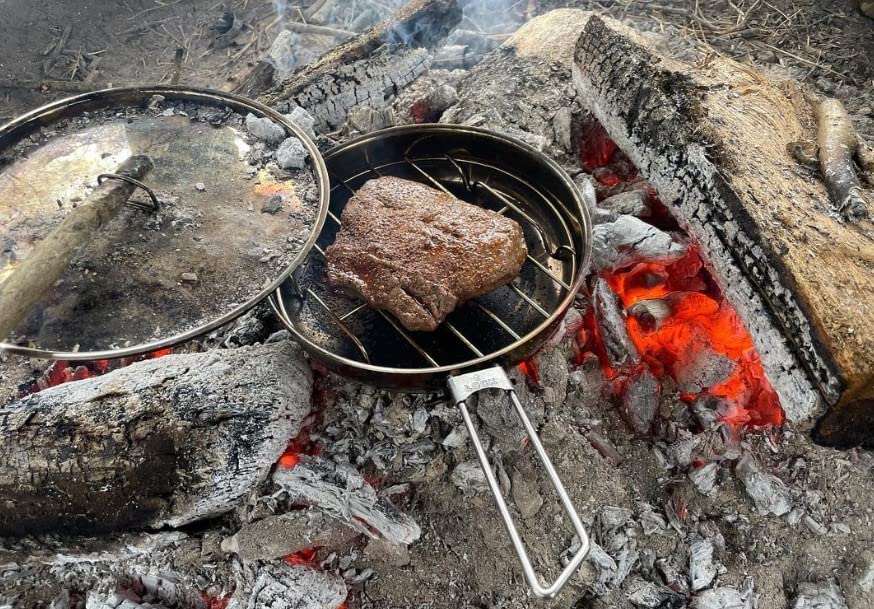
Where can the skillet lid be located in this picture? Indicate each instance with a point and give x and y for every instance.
(241, 193)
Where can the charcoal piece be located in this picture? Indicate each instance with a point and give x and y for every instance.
(640, 401)
(302, 119)
(704, 478)
(633, 203)
(340, 491)
(291, 154)
(264, 129)
(611, 323)
(704, 370)
(768, 492)
(702, 569)
(825, 595)
(284, 534)
(279, 585)
(646, 594)
(418, 252)
(627, 241)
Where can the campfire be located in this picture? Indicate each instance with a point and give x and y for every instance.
(668, 406)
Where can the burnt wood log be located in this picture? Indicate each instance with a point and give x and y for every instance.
(166, 441)
(366, 69)
(713, 141)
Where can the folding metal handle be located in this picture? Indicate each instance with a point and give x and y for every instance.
(462, 387)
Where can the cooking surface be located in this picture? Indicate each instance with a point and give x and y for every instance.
(229, 224)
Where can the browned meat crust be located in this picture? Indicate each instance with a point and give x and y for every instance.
(418, 252)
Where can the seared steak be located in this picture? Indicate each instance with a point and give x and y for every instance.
(418, 252)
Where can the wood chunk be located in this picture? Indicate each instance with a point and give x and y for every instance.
(769, 494)
(712, 140)
(165, 441)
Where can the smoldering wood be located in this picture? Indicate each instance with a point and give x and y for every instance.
(369, 67)
(339, 490)
(50, 258)
(166, 441)
(294, 587)
(712, 140)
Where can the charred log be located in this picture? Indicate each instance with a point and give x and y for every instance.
(164, 441)
(697, 135)
(369, 68)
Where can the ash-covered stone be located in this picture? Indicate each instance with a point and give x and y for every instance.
(824, 595)
(704, 478)
(632, 203)
(769, 494)
(339, 490)
(702, 569)
(264, 129)
(384, 551)
(608, 312)
(284, 534)
(291, 154)
(628, 240)
(273, 205)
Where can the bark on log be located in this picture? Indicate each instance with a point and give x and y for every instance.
(358, 73)
(162, 442)
(713, 141)
(37, 273)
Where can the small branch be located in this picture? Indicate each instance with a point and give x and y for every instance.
(321, 30)
(838, 145)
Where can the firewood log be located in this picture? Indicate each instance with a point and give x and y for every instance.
(713, 141)
(51, 257)
(165, 441)
(364, 69)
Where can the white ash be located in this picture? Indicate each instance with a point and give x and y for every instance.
(264, 129)
(702, 569)
(605, 568)
(632, 202)
(292, 587)
(720, 598)
(341, 491)
(824, 595)
(704, 478)
(469, 477)
(628, 240)
(291, 154)
(768, 492)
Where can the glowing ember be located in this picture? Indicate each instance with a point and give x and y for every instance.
(63, 371)
(308, 557)
(216, 602)
(675, 313)
(531, 372)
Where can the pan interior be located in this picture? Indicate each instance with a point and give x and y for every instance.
(477, 167)
(229, 226)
